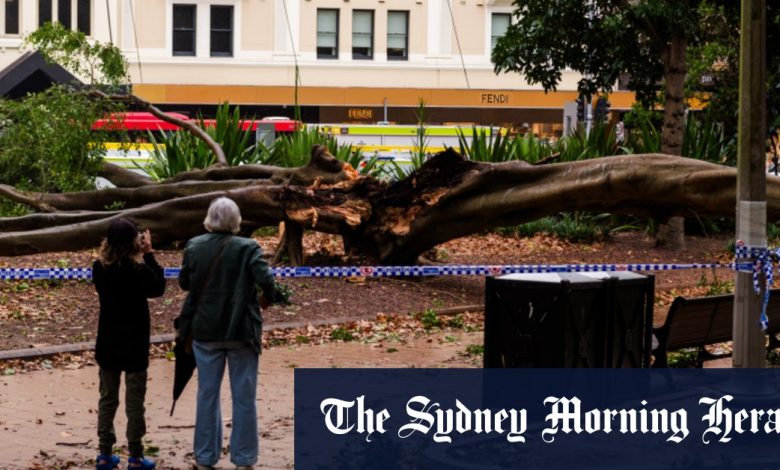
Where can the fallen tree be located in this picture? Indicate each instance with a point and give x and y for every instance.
(447, 198)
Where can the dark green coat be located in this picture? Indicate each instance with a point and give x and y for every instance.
(228, 309)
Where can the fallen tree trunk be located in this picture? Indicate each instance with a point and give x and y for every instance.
(447, 198)
(122, 177)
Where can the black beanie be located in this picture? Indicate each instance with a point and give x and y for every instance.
(122, 232)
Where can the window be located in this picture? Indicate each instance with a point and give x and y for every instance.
(327, 34)
(183, 29)
(63, 12)
(221, 30)
(84, 16)
(44, 12)
(397, 35)
(499, 24)
(11, 16)
(363, 34)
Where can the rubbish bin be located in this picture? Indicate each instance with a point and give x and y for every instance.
(568, 320)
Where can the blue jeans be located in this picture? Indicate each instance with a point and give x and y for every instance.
(242, 365)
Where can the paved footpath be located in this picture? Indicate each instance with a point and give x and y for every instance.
(49, 417)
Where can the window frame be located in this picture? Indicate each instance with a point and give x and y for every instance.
(370, 55)
(230, 31)
(50, 18)
(193, 30)
(405, 57)
(493, 14)
(80, 25)
(335, 54)
(17, 26)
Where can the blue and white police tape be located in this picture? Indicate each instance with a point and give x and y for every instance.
(14, 274)
(762, 263)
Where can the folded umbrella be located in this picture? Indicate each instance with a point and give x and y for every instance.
(184, 367)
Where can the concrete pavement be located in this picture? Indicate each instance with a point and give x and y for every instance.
(48, 418)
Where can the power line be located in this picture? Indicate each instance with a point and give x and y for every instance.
(457, 40)
(295, 61)
(108, 14)
(135, 35)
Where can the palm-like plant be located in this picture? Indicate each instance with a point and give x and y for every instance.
(490, 148)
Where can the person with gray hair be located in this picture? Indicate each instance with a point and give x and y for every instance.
(222, 314)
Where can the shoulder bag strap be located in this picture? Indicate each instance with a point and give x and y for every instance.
(209, 273)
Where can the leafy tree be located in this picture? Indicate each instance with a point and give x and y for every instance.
(46, 141)
(101, 64)
(716, 57)
(603, 39)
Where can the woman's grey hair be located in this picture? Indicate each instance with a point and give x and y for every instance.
(223, 216)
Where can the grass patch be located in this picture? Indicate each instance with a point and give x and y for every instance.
(342, 334)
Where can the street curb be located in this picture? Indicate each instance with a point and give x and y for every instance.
(32, 353)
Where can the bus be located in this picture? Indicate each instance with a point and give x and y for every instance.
(398, 143)
(128, 146)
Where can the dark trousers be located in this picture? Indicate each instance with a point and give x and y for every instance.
(135, 393)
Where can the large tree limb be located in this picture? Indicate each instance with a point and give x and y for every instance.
(322, 168)
(448, 197)
(122, 177)
(125, 198)
(47, 220)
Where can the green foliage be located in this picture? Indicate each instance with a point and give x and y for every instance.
(294, 150)
(532, 149)
(342, 334)
(493, 148)
(577, 227)
(643, 139)
(716, 286)
(235, 142)
(99, 63)
(581, 145)
(705, 139)
(600, 40)
(176, 152)
(47, 143)
(430, 319)
(684, 358)
(716, 56)
(475, 349)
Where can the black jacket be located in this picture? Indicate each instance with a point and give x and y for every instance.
(123, 326)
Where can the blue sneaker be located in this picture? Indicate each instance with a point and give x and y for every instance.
(106, 462)
(140, 462)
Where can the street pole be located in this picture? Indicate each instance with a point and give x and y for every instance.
(588, 115)
(749, 339)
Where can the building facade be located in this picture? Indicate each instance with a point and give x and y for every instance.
(353, 60)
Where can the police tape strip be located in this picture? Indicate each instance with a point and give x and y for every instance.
(14, 274)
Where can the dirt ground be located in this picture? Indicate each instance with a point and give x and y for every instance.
(41, 313)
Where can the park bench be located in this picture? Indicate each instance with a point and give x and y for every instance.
(701, 321)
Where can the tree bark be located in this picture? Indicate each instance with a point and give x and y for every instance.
(671, 232)
(447, 198)
(123, 178)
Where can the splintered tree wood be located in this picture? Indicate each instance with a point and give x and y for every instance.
(449, 197)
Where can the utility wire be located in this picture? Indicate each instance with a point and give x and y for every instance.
(295, 60)
(457, 40)
(135, 35)
(108, 14)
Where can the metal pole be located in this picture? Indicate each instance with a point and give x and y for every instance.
(588, 115)
(749, 339)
